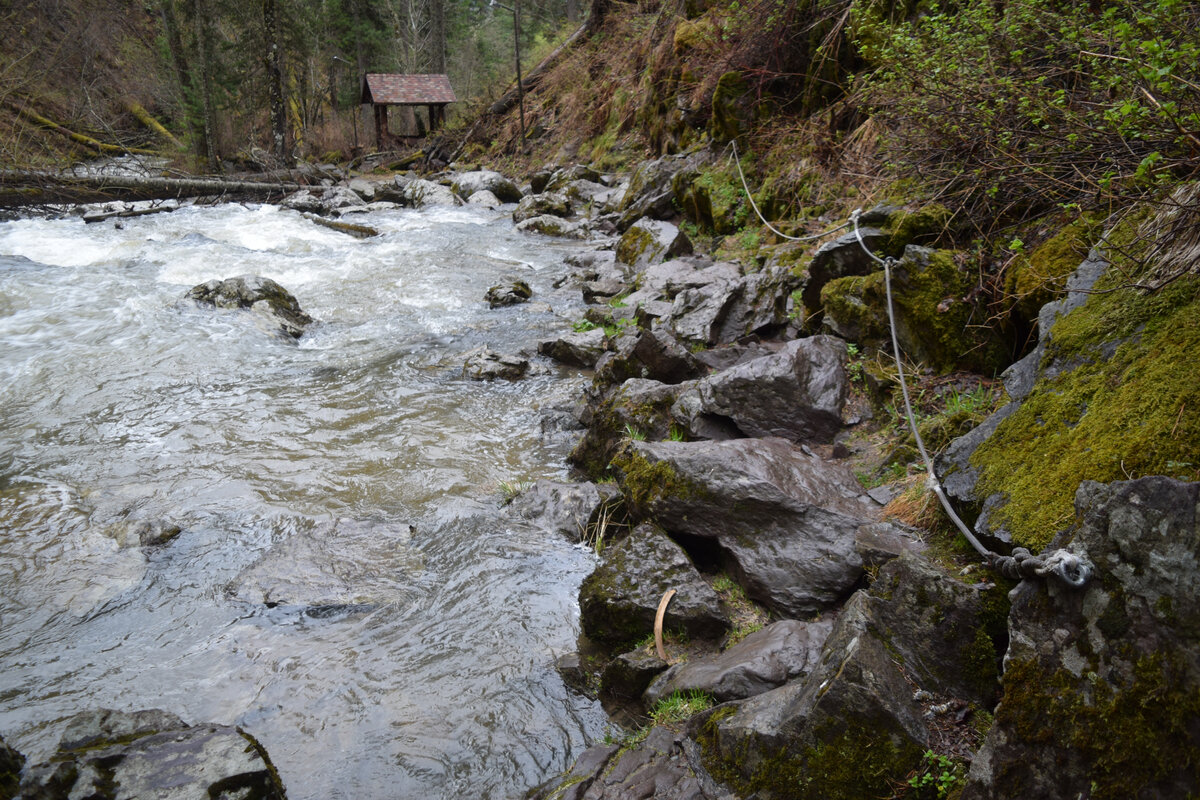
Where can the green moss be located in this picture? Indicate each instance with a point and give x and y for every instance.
(645, 484)
(849, 763)
(633, 245)
(922, 226)
(1128, 737)
(1130, 409)
(936, 326)
(727, 119)
(1041, 277)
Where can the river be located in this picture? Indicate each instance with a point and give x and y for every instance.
(342, 586)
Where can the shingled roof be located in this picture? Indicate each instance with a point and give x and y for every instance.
(398, 90)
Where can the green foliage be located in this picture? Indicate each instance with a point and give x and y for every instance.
(511, 490)
(937, 778)
(680, 706)
(1017, 107)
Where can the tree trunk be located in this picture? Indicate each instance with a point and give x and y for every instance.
(437, 36)
(207, 51)
(32, 187)
(275, 83)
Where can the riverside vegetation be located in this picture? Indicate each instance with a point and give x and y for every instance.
(1031, 168)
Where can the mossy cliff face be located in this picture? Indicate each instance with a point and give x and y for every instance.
(1116, 398)
(1041, 277)
(1101, 691)
(934, 323)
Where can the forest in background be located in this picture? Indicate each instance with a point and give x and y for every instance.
(237, 84)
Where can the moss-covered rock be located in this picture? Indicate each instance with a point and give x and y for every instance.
(1102, 686)
(935, 323)
(729, 113)
(11, 763)
(1112, 400)
(1041, 277)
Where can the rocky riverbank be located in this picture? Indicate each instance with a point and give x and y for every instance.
(724, 413)
(818, 639)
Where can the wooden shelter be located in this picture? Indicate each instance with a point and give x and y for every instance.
(383, 90)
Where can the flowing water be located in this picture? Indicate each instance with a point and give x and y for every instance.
(343, 585)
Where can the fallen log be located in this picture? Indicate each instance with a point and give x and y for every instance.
(349, 228)
(143, 116)
(129, 212)
(79, 138)
(35, 187)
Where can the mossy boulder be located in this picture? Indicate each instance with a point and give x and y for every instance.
(638, 407)
(730, 113)
(1041, 276)
(618, 601)
(936, 323)
(275, 306)
(1105, 396)
(852, 728)
(108, 754)
(650, 241)
(783, 521)
(1101, 688)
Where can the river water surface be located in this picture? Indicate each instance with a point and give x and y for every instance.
(343, 586)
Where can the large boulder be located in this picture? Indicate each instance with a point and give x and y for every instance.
(797, 393)
(638, 407)
(259, 295)
(860, 720)
(649, 241)
(577, 348)
(330, 200)
(108, 754)
(936, 317)
(1102, 685)
(560, 178)
(552, 204)
(468, 183)
(652, 355)
(783, 520)
(422, 193)
(783, 651)
(485, 364)
(841, 258)
(578, 511)
(650, 193)
(665, 766)
(511, 293)
(618, 601)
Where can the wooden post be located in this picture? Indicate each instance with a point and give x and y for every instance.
(381, 124)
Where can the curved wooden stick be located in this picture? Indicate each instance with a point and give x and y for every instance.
(658, 622)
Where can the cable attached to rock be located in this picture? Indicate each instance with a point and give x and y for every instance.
(772, 228)
(1069, 568)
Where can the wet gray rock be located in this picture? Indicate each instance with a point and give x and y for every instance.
(1113, 670)
(568, 509)
(652, 355)
(618, 601)
(637, 404)
(326, 201)
(468, 183)
(760, 307)
(11, 764)
(917, 628)
(108, 754)
(548, 225)
(764, 660)
(595, 198)
(508, 294)
(665, 766)
(698, 315)
(840, 258)
(485, 364)
(576, 348)
(259, 295)
(880, 542)
(142, 533)
(649, 241)
(669, 278)
(422, 194)
(783, 520)
(560, 178)
(603, 289)
(650, 193)
(797, 393)
(484, 198)
(365, 189)
(626, 677)
(553, 204)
